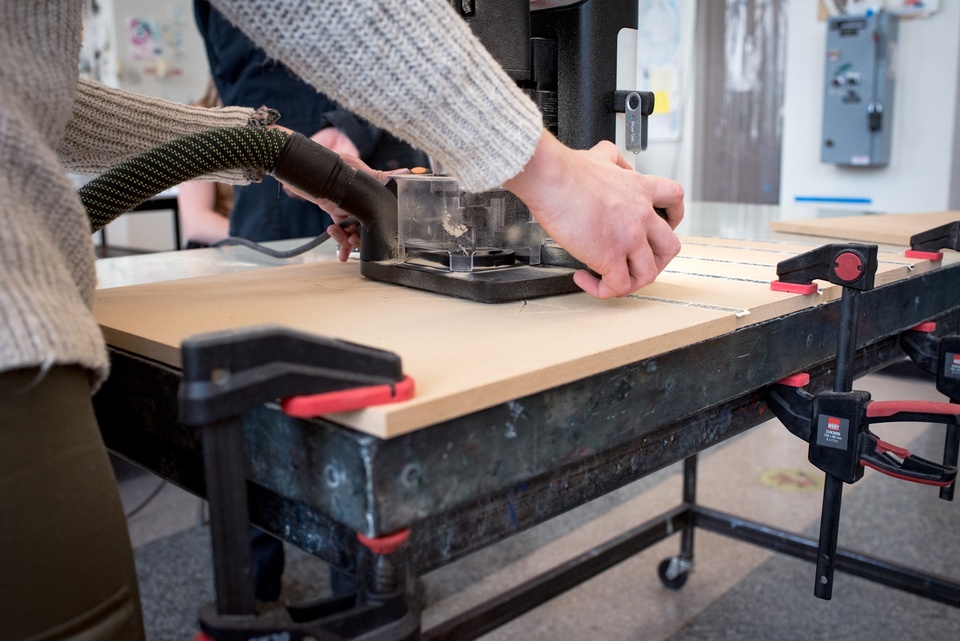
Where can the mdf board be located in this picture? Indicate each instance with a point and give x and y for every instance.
(466, 356)
(886, 229)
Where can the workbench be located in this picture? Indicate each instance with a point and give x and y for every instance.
(522, 411)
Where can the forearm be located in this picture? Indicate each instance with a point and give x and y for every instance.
(199, 220)
(412, 67)
(110, 126)
(206, 227)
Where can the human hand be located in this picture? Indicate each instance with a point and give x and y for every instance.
(349, 237)
(594, 205)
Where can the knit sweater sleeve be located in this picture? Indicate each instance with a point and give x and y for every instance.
(110, 126)
(410, 66)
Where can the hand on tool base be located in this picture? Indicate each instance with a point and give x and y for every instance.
(594, 205)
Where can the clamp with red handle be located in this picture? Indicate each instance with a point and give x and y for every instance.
(226, 375)
(837, 427)
(836, 424)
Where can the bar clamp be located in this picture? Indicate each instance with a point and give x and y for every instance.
(836, 424)
(227, 374)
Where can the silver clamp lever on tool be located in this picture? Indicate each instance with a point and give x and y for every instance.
(636, 105)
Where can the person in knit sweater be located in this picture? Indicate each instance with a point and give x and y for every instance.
(409, 66)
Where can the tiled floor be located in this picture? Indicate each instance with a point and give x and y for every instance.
(762, 475)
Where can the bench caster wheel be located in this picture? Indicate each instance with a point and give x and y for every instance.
(673, 572)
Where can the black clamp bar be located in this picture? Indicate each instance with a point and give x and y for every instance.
(225, 375)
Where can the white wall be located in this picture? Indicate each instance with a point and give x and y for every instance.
(674, 158)
(923, 173)
(150, 47)
(142, 231)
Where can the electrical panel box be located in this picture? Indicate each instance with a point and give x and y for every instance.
(858, 92)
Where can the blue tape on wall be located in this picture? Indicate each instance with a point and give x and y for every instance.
(829, 199)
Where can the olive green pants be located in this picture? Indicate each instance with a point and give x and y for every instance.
(66, 566)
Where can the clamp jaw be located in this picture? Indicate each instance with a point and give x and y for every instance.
(848, 264)
(229, 373)
(939, 356)
(928, 244)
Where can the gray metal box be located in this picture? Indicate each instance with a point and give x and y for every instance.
(858, 91)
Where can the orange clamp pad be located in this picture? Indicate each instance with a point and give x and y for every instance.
(795, 380)
(793, 288)
(912, 253)
(384, 544)
(347, 400)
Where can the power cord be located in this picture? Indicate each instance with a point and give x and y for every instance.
(153, 494)
(289, 253)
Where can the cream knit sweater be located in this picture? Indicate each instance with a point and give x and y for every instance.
(423, 77)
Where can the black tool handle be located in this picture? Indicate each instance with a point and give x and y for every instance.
(317, 171)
